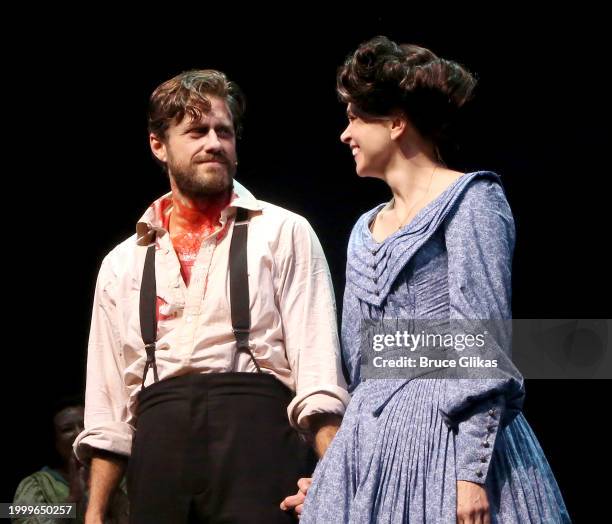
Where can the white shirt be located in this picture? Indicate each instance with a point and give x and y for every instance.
(293, 335)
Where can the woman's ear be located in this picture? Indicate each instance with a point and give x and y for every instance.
(398, 127)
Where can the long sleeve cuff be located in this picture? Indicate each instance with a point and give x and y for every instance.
(475, 440)
(323, 399)
(115, 437)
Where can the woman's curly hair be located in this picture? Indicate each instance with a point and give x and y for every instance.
(381, 77)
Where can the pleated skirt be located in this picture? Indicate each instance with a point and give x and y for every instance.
(396, 464)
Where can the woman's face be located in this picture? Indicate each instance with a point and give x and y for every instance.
(370, 141)
(68, 424)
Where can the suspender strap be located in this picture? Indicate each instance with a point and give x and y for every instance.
(148, 312)
(239, 296)
(239, 284)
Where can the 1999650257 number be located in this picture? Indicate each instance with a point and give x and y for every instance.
(65, 511)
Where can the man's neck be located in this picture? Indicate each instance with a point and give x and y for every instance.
(191, 215)
(191, 221)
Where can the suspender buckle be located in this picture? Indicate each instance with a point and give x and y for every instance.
(242, 337)
(150, 363)
(150, 349)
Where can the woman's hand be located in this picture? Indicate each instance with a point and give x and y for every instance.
(472, 503)
(77, 480)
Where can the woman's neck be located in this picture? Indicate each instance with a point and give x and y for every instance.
(410, 178)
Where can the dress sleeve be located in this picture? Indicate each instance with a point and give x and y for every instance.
(350, 338)
(480, 237)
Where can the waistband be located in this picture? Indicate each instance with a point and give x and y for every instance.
(214, 385)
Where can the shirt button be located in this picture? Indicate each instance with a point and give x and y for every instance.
(479, 473)
(375, 280)
(485, 444)
(491, 412)
(483, 459)
(377, 292)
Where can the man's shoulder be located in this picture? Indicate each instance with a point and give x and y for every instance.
(122, 256)
(274, 214)
(124, 248)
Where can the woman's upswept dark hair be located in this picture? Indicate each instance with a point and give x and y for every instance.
(381, 77)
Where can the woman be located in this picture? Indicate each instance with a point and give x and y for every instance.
(66, 481)
(427, 450)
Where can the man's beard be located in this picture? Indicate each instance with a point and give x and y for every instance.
(195, 182)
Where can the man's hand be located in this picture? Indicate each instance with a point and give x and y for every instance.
(323, 427)
(296, 502)
(472, 503)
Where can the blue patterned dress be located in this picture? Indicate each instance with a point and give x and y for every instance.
(403, 444)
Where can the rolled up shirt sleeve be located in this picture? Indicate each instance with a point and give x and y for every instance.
(308, 312)
(107, 424)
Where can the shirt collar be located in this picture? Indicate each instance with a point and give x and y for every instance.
(151, 221)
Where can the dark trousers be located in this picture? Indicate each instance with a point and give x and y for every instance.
(215, 448)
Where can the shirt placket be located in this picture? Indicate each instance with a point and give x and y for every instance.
(168, 271)
(196, 293)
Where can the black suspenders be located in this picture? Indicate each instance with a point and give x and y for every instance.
(239, 284)
(148, 312)
(239, 296)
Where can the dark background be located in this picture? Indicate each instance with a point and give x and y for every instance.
(85, 175)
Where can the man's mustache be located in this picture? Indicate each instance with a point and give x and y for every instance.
(210, 158)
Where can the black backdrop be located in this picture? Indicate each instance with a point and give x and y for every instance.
(85, 175)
